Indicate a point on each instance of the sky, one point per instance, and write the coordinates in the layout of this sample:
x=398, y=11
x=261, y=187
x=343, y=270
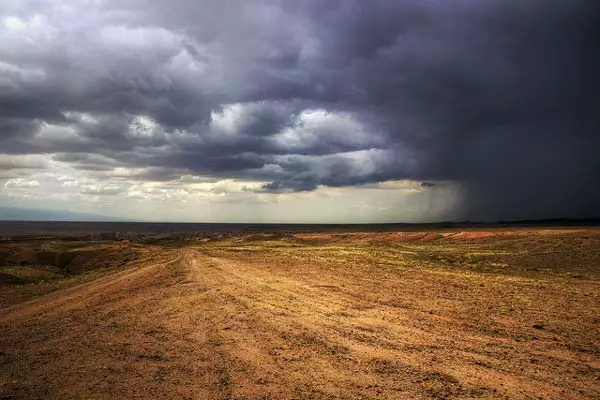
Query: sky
x=301, y=111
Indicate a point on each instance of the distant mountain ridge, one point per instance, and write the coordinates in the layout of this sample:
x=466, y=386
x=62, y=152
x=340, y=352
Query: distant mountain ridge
x=34, y=214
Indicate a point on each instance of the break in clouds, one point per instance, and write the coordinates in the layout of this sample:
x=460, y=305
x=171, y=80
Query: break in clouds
x=496, y=99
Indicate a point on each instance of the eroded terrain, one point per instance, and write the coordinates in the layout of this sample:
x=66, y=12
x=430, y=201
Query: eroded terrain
x=426, y=315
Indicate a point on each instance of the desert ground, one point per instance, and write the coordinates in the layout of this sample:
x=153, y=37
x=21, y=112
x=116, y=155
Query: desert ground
x=506, y=313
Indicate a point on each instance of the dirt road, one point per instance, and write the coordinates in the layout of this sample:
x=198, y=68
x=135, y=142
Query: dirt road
x=206, y=325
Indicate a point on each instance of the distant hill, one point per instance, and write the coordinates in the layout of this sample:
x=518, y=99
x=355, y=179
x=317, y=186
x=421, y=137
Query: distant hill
x=34, y=214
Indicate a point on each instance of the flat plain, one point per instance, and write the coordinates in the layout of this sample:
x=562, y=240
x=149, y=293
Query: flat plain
x=456, y=313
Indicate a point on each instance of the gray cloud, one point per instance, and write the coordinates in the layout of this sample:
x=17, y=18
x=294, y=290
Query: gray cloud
x=12, y=162
x=499, y=97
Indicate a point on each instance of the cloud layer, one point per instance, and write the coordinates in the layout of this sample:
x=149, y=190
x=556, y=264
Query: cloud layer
x=498, y=99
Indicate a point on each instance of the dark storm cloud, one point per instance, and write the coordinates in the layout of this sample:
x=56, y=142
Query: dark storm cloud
x=499, y=97
x=279, y=186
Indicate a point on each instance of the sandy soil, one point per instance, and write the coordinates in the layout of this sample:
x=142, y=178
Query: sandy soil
x=261, y=320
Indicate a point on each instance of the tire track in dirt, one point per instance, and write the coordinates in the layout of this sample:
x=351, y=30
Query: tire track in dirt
x=122, y=336
x=302, y=336
x=80, y=295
